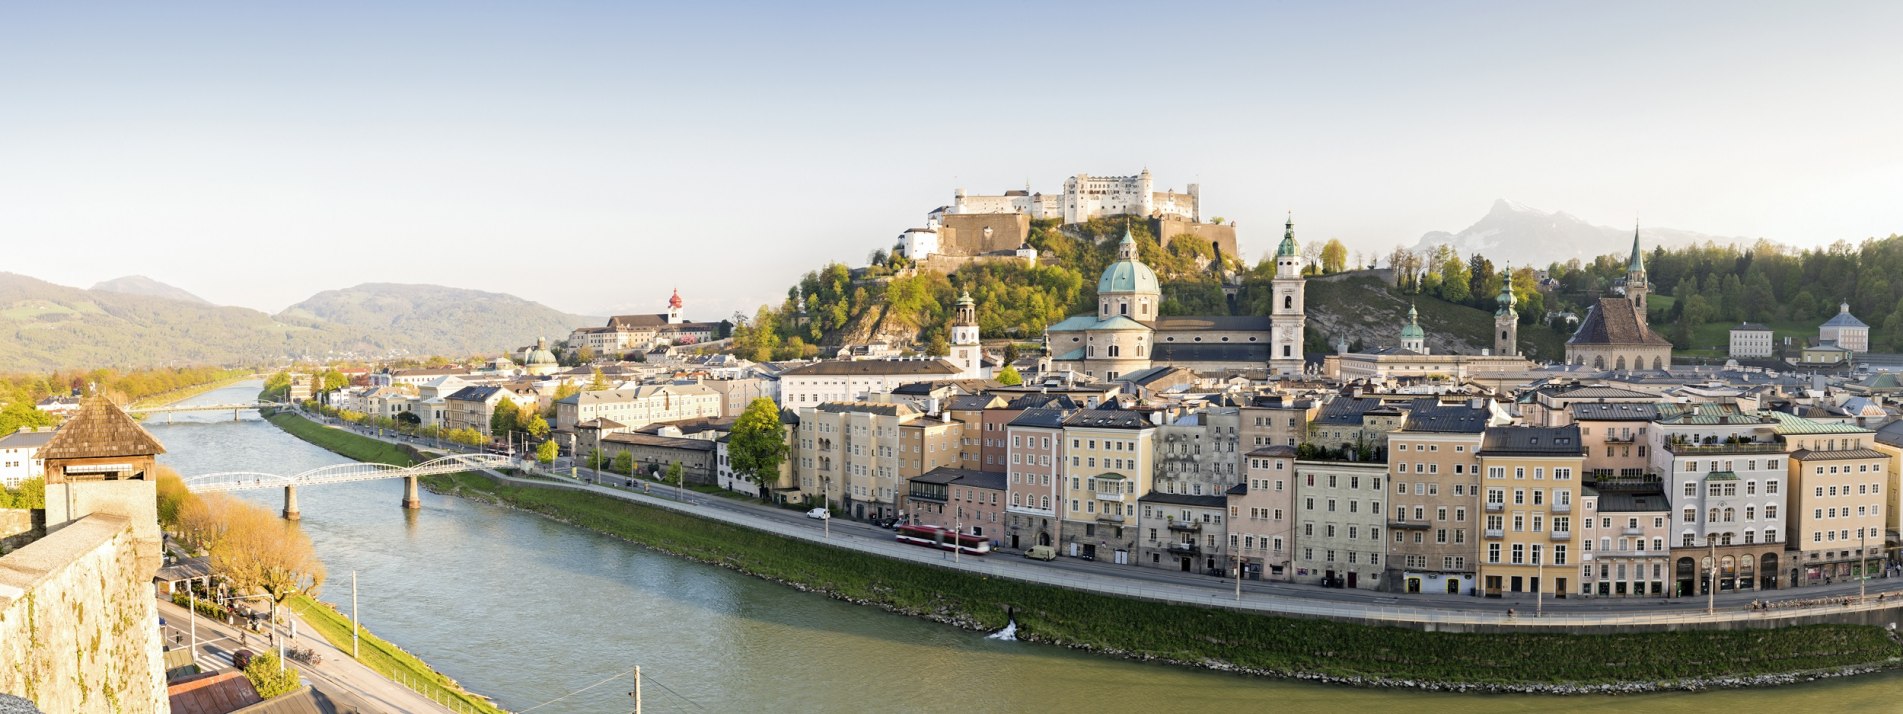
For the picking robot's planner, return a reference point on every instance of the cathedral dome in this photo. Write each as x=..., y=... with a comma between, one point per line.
x=1128, y=275
x=1413, y=329
x=539, y=355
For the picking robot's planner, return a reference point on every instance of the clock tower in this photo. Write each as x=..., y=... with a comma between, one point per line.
x=1287, y=319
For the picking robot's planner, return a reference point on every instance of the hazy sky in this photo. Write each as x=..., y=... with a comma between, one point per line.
x=591, y=156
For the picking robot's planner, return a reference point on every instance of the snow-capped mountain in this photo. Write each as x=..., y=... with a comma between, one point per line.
x=1522, y=235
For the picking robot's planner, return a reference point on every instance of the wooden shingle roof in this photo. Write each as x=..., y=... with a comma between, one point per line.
x=1615, y=321
x=100, y=430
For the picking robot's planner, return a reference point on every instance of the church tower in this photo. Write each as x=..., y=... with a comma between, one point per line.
x=1287, y=318
x=1413, y=338
x=1506, y=320
x=1636, y=286
x=674, y=309
x=965, y=350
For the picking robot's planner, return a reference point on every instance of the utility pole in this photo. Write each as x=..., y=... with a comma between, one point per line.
x=354, y=621
x=192, y=599
x=637, y=689
x=1238, y=555
x=1863, y=561
x=1539, y=593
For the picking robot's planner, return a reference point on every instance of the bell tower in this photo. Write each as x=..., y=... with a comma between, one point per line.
x=1636, y=286
x=1506, y=321
x=965, y=349
x=1287, y=317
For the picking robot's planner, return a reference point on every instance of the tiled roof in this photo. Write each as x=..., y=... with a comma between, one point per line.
x=1277, y=450
x=1041, y=418
x=100, y=429
x=215, y=694
x=26, y=439
x=667, y=442
x=474, y=394
x=1452, y=419
x=1791, y=424
x=1615, y=321
x=1531, y=441
x=1044, y=401
x=1838, y=455
x=1891, y=434
x=880, y=408
x=1102, y=418
x=993, y=480
x=1750, y=327
x=1645, y=500
x=1844, y=319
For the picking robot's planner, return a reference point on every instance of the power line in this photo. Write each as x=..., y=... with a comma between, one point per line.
x=647, y=678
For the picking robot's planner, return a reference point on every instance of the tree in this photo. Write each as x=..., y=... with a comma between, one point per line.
x=623, y=462
x=536, y=426
x=20, y=413
x=251, y=548
x=939, y=346
x=584, y=355
x=334, y=380
x=503, y=419
x=757, y=444
x=599, y=382
x=1334, y=256
x=172, y=496
x=1455, y=281
x=1010, y=377
x=675, y=474
x=545, y=452
x=1010, y=352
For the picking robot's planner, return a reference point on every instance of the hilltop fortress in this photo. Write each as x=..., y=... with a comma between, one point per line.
x=979, y=225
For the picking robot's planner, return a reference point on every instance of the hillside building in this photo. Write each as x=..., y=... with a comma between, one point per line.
x=1750, y=340
x=1846, y=331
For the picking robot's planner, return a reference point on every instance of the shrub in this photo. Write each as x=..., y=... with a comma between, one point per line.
x=265, y=676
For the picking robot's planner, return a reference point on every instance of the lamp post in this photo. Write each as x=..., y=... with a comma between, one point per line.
x=826, y=498
x=1539, y=576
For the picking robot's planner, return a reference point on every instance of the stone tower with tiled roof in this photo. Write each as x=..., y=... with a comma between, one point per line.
x=101, y=461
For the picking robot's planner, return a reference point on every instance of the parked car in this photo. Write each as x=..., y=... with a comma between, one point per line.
x=241, y=659
x=819, y=513
x=1041, y=552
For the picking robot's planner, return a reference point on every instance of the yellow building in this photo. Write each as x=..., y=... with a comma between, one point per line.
x=1839, y=484
x=1108, y=454
x=1531, y=479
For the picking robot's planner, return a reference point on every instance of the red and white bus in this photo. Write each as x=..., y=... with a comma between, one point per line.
x=944, y=539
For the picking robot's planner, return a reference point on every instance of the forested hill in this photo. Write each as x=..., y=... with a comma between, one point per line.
x=52, y=326
x=1014, y=300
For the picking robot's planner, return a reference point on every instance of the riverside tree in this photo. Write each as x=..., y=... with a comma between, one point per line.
x=546, y=451
x=757, y=445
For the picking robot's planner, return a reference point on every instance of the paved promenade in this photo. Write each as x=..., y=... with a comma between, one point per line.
x=1266, y=597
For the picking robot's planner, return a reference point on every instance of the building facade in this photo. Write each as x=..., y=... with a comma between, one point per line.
x=1339, y=514
x=1108, y=466
x=1531, y=477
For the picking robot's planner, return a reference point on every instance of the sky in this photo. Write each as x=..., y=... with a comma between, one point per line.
x=594, y=156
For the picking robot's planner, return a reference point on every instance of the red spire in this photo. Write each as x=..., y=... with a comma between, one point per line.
x=675, y=302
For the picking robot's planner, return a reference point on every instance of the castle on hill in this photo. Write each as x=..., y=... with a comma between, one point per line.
x=974, y=225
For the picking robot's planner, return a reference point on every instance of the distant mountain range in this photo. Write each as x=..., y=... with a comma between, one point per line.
x=141, y=285
x=1517, y=234
x=140, y=322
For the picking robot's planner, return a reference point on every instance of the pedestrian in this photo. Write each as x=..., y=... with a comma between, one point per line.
x=1509, y=613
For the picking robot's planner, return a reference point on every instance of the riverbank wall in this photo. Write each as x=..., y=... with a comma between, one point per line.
x=1342, y=650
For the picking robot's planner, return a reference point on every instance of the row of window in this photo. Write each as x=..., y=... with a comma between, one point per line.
x=1560, y=473
x=1521, y=550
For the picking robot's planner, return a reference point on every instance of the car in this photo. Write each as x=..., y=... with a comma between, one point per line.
x=241, y=659
x=1041, y=552
x=819, y=513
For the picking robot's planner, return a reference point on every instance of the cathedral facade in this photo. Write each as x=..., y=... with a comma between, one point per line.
x=1127, y=334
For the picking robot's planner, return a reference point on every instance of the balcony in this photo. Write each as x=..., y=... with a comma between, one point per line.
x=1189, y=526
x=1562, y=535
x=1118, y=497
x=1635, y=530
x=1408, y=525
x=1621, y=439
x=1495, y=507
x=1742, y=447
x=1496, y=533
x=1184, y=548
x=1561, y=508
x=1110, y=518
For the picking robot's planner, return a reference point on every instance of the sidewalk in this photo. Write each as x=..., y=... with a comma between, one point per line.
x=347, y=683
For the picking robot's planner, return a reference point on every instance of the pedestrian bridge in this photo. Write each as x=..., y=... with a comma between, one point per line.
x=206, y=407
x=343, y=473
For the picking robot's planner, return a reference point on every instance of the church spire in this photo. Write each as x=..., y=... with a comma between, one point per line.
x=1637, y=263
x=1288, y=238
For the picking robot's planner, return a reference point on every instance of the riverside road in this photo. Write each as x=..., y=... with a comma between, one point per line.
x=1270, y=597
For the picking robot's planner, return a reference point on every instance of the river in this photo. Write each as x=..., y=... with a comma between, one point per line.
x=527, y=611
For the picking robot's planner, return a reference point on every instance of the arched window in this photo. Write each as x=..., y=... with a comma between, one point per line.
x=1656, y=364
x=1714, y=516
x=1288, y=302
x=1599, y=362
x=1621, y=363
x=1730, y=515
x=1045, y=503
x=1113, y=351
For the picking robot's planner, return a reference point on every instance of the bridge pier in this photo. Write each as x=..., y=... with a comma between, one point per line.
x=290, y=504
x=410, y=499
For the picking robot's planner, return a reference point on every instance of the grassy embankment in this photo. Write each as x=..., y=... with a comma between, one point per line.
x=1195, y=635
x=387, y=659
x=184, y=393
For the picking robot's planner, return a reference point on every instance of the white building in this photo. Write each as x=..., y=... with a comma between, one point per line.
x=1846, y=331
x=856, y=380
x=1750, y=339
x=639, y=406
x=20, y=455
x=1086, y=197
x=918, y=243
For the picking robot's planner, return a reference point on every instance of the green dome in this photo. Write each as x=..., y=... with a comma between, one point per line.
x=539, y=354
x=1128, y=275
x=1287, y=248
x=1413, y=329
